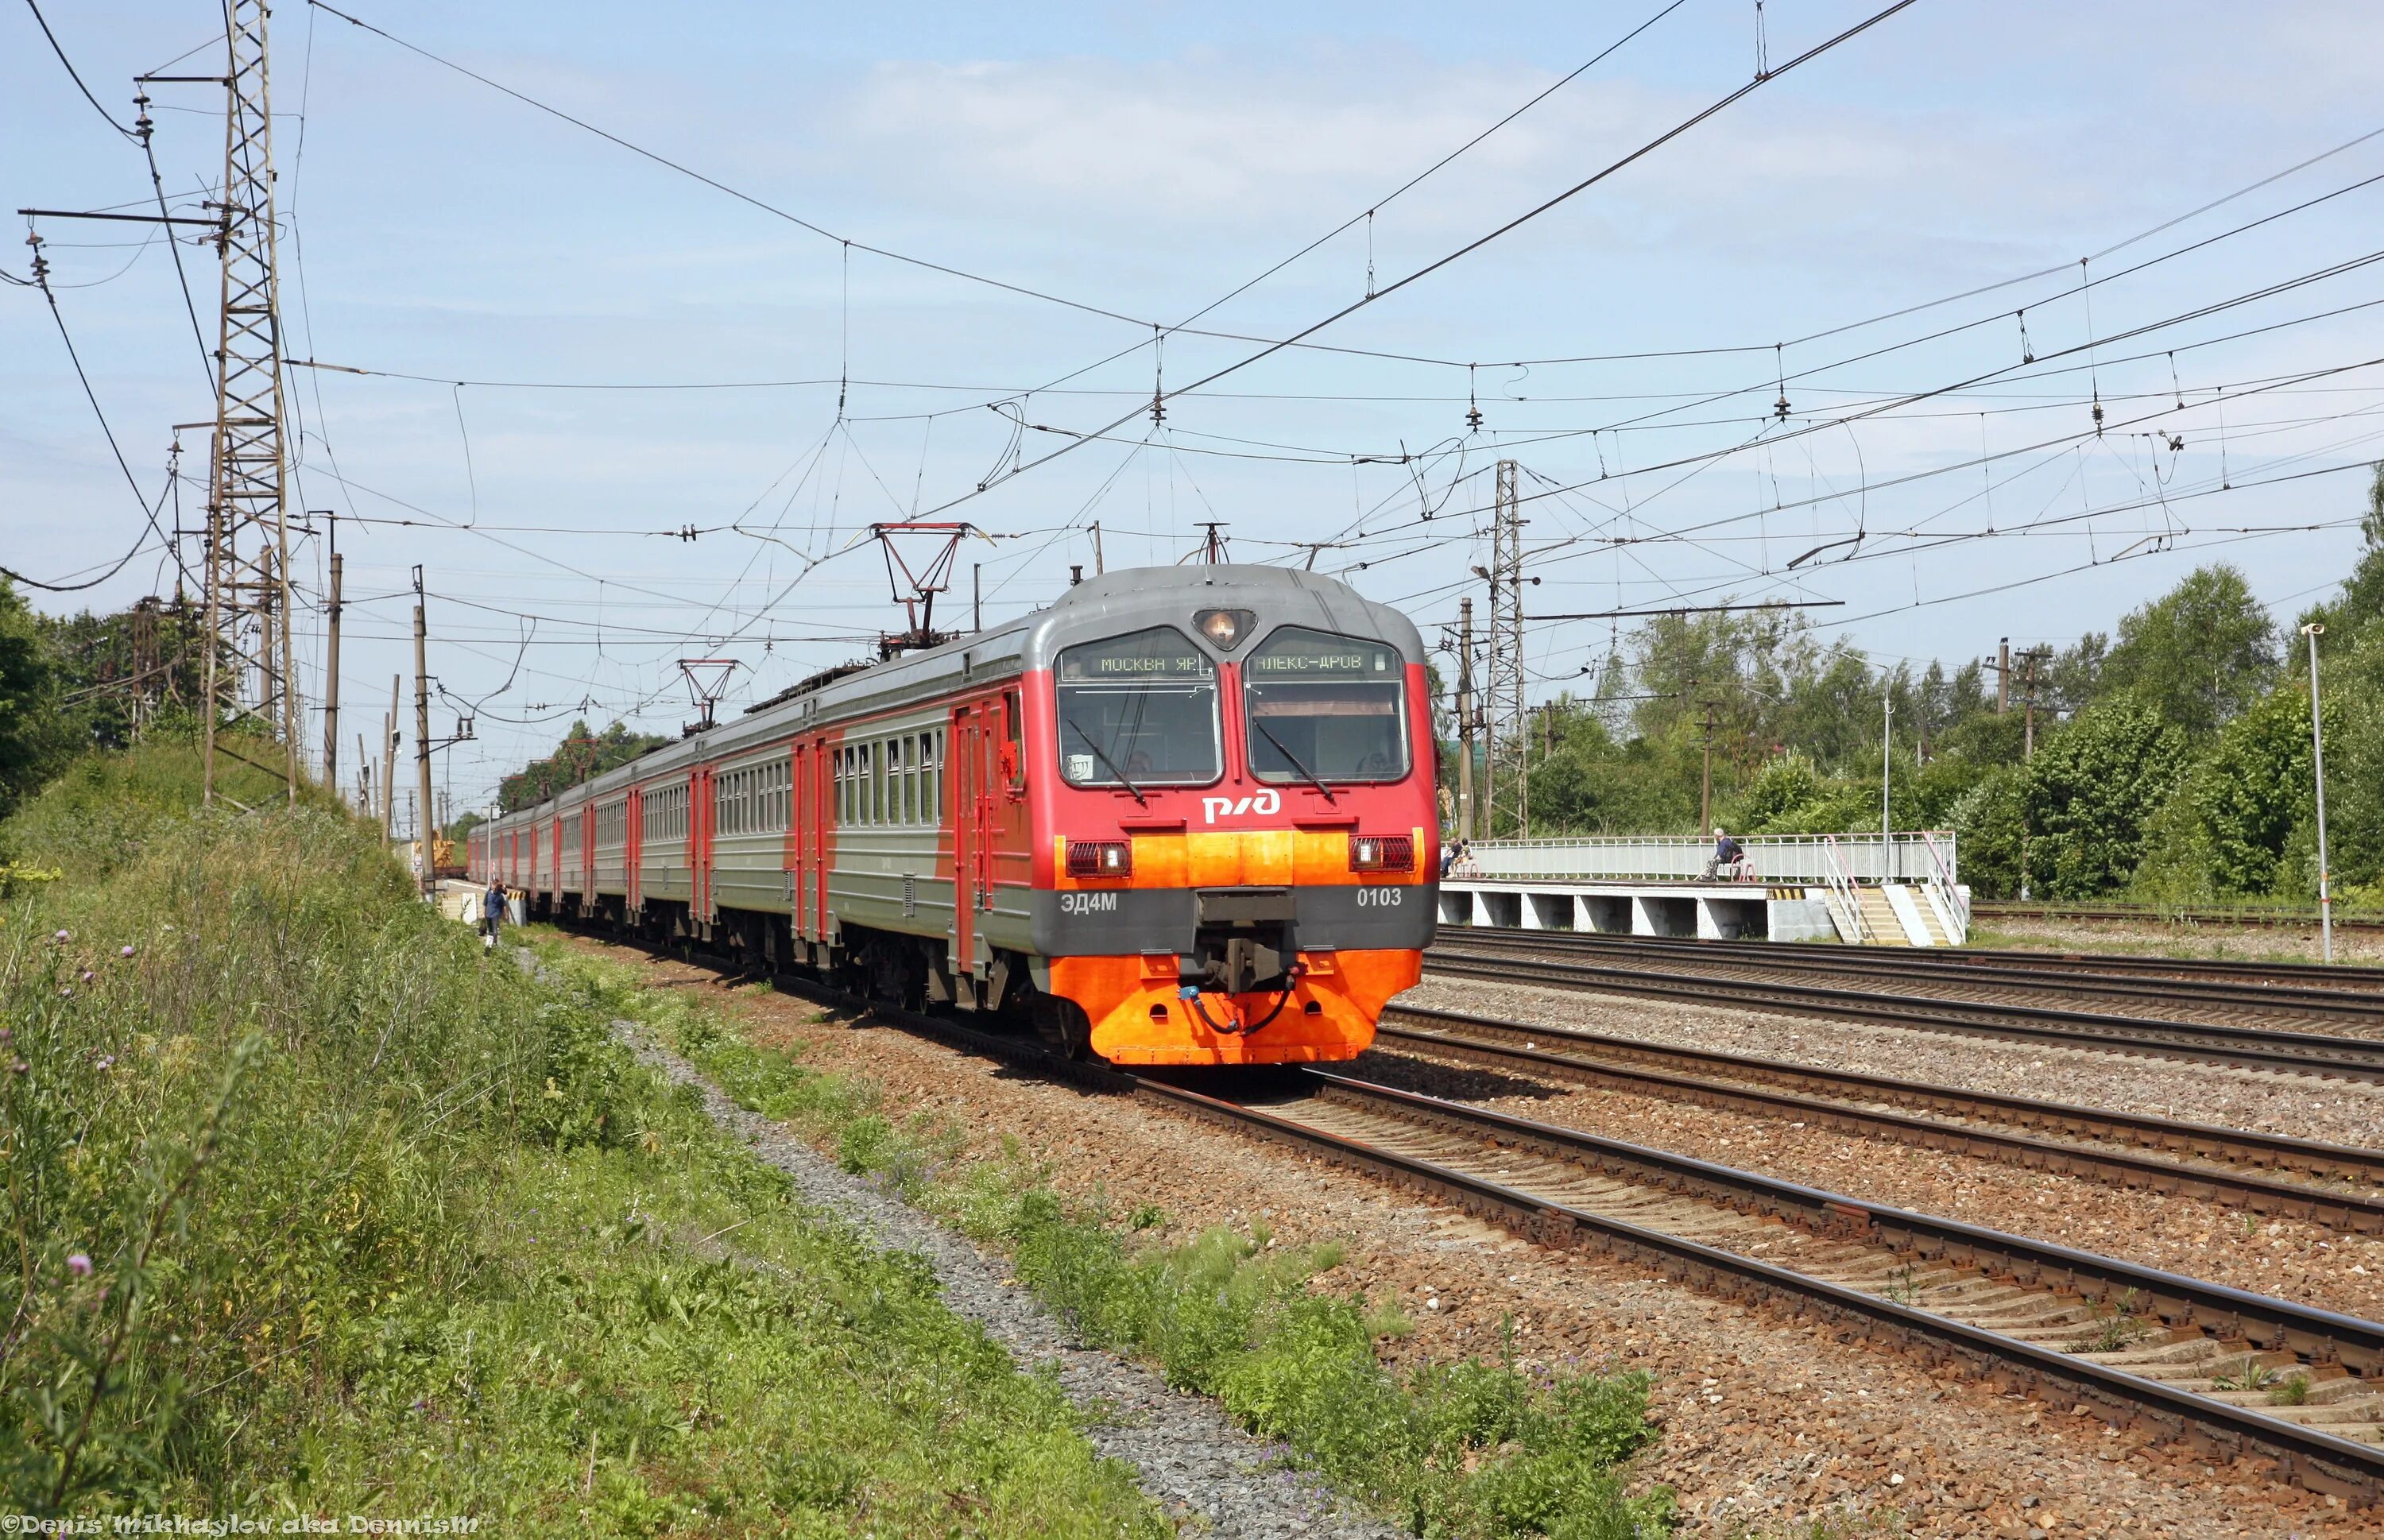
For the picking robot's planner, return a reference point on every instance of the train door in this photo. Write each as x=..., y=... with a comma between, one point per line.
x=699, y=841
x=819, y=835
x=792, y=847
x=633, y=820
x=975, y=781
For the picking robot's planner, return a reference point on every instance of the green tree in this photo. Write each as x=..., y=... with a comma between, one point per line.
x=1989, y=822
x=2091, y=787
x=2199, y=655
x=36, y=738
x=582, y=755
x=2255, y=788
x=2348, y=615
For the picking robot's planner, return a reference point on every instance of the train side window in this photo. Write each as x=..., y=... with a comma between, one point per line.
x=1013, y=719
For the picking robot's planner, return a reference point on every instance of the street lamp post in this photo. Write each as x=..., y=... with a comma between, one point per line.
x=2314, y=630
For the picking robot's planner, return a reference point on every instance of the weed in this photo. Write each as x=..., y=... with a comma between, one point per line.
x=2116, y=1327
x=1147, y=1216
x=1903, y=1286
x=2293, y=1391
x=2252, y=1376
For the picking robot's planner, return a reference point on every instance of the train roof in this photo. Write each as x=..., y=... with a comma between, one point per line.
x=1126, y=599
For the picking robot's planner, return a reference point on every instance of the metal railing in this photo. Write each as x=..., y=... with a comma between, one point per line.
x=1956, y=897
x=1788, y=858
x=1846, y=907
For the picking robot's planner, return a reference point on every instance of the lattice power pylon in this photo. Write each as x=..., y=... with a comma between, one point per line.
x=250, y=660
x=1507, y=722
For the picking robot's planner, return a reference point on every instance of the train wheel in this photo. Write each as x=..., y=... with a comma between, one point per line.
x=1062, y=1023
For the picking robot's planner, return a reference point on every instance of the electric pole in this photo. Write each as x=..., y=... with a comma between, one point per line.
x=2003, y=679
x=1507, y=722
x=247, y=561
x=331, y=683
x=388, y=736
x=1886, y=765
x=2317, y=760
x=422, y=805
x=1465, y=819
x=2027, y=728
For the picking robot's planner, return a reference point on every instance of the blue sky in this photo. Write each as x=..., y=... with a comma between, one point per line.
x=1146, y=161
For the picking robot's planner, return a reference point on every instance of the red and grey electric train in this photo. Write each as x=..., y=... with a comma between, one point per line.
x=1186, y=815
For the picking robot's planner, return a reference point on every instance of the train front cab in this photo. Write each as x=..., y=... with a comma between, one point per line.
x=1242, y=829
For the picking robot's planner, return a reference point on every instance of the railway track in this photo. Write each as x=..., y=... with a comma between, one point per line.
x=2340, y=1185
x=2120, y=913
x=1682, y=975
x=2135, y=1343
x=2192, y=1360
x=2352, y=1002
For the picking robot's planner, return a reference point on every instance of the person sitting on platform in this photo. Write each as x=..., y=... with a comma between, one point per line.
x=1726, y=857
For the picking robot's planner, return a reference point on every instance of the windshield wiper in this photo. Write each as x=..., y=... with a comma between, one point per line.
x=1304, y=773
x=1105, y=759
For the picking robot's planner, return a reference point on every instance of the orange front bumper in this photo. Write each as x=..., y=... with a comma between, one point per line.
x=1139, y=1018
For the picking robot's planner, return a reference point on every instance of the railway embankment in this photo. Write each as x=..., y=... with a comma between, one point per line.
x=314, y=1212
x=1772, y=1420
x=1266, y=1350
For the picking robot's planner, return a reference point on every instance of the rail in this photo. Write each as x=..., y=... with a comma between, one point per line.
x=1787, y=858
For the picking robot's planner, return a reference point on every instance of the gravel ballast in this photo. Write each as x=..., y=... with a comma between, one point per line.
x=1767, y=1422
x=1200, y=1467
x=2304, y=1106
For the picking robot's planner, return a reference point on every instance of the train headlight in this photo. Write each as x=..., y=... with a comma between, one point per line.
x=1224, y=628
x=1381, y=853
x=1101, y=858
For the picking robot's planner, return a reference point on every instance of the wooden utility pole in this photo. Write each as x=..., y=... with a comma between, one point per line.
x=1465, y=814
x=422, y=805
x=331, y=683
x=2028, y=731
x=388, y=736
x=2003, y=677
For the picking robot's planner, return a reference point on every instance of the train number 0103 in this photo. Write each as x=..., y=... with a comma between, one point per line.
x=1381, y=897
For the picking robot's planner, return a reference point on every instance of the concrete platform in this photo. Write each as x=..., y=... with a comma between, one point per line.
x=1707, y=911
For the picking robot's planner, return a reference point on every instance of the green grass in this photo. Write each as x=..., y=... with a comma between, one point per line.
x=309, y=1208
x=1472, y=1448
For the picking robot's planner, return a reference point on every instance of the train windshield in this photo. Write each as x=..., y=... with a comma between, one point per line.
x=1325, y=708
x=1138, y=710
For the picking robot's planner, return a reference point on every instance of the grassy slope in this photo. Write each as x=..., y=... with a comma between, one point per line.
x=309, y=1208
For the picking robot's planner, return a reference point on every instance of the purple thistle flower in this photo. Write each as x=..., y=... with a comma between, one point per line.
x=61, y=937
x=20, y=1066
x=79, y=1264
x=126, y=952
x=87, y=975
